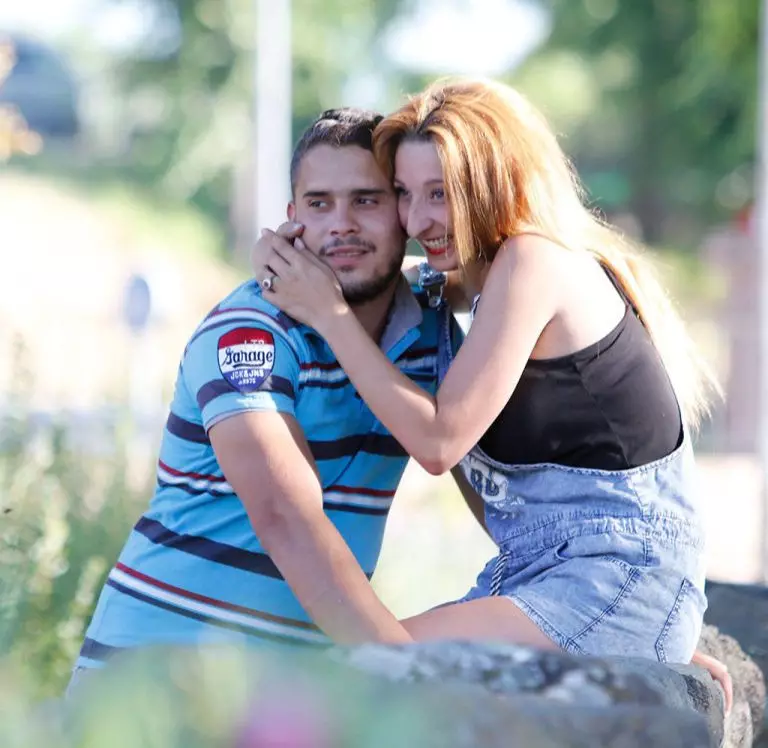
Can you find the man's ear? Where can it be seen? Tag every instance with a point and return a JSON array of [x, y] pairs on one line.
[[291, 211]]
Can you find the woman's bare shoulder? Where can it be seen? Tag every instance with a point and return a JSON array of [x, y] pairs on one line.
[[536, 254]]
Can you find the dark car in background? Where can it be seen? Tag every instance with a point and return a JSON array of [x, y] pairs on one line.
[[43, 88]]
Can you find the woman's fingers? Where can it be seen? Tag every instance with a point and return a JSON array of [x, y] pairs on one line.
[[283, 247], [294, 277], [719, 672], [278, 266], [266, 242], [290, 230]]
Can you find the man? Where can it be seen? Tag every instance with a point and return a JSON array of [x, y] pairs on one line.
[[274, 479]]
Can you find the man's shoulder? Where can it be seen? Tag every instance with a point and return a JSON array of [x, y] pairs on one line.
[[238, 316], [244, 355], [246, 299], [246, 306]]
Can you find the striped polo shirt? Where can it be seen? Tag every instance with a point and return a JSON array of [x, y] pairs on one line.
[[192, 569]]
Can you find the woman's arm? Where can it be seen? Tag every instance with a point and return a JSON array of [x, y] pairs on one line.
[[518, 302]]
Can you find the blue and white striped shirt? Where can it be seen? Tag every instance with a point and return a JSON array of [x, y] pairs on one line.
[[192, 569]]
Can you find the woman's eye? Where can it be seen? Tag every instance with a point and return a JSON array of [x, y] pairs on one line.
[[438, 194]]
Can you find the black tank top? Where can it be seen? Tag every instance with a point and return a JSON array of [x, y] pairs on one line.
[[609, 406]]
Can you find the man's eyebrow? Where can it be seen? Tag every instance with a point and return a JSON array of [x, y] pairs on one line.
[[370, 191], [356, 191]]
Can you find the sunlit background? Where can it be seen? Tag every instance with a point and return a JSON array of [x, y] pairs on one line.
[[143, 142]]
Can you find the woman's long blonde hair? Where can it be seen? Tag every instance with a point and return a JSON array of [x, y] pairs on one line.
[[505, 174]]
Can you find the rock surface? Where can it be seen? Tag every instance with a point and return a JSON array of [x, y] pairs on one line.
[[441, 694], [363, 698], [574, 700], [739, 613], [623, 684]]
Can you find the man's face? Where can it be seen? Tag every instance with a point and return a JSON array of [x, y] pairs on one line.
[[349, 212]]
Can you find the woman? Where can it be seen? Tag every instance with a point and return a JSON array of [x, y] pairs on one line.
[[569, 403]]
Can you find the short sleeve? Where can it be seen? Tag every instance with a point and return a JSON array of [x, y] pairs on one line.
[[250, 364]]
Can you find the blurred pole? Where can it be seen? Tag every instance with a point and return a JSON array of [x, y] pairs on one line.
[[273, 112], [761, 230]]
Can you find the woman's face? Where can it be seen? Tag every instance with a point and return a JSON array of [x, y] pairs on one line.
[[422, 204]]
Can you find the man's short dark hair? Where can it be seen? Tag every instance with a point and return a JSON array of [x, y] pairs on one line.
[[337, 128]]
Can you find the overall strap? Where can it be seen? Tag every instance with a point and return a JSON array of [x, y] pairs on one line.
[[444, 347]]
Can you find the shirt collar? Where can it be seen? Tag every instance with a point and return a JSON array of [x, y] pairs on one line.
[[404, 314]]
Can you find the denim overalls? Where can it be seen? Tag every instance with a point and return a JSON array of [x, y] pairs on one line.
[[604, 562]]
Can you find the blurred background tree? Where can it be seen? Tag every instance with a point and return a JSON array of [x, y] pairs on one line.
[[658, 102], [184, 95]]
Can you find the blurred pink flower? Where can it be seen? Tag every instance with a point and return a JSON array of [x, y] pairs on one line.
[[287, 721]]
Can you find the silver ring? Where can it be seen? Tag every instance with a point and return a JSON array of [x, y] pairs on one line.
[[268, 282]]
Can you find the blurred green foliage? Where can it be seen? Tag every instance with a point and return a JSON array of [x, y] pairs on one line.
[[656, 102], [658, 105], [189, 109], [226, 697], [64, 515]]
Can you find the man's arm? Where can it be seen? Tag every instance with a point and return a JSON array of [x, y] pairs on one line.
[[266, 459], [472, 499]]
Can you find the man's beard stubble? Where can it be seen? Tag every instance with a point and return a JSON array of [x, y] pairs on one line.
[[361, 292]]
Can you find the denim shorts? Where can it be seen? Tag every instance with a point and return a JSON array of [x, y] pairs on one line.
[[591, 597], [604, 562]]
